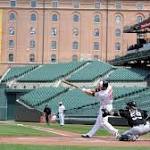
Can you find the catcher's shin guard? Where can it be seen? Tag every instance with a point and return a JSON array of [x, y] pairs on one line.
[[127, 137]]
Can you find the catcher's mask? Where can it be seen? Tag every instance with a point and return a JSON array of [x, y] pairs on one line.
[[131, 105]]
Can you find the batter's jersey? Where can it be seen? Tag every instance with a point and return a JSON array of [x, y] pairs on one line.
[[134, 117], [105, 97]]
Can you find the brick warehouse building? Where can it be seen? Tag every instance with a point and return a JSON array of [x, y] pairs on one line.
[[49, 31]]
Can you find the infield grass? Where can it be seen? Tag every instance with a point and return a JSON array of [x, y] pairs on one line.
[[33, 147]]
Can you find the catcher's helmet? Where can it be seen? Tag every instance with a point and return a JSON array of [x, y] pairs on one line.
[[131, 104]]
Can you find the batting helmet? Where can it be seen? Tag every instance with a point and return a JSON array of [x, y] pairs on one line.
[[105, 84]]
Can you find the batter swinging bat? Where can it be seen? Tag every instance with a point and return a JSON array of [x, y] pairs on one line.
[[87, 91]]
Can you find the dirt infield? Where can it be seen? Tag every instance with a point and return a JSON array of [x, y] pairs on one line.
[[74, 139]]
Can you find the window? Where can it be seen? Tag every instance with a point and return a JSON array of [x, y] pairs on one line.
[[118, 32], [76, 18], [96, 18], [76, 3], [32, 44], [96, 32], [140, 6], [54, 17], [75, 45], [53, 58], [55, 3], [11, 31], [74, 58], [53, 31], [53, 45], [32, 31], [96, 46], [12, 17], [33, 3], [13, 3], [11, 43], [96, 57], [33, 17], [97, 3], [118, 4], [139, 19], [118, 19], [32, 58], [75, 31], [10, 57], [117, 46]]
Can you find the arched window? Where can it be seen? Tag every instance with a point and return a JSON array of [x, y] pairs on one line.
[[76, 18], [139, 19], [12, 16], [33, 17], [53, 58], [75, 45], [118, 32], [97, 18], [118, 19], [54, 17], [74, 58], [10, 57], [117, 46], [32, 58]]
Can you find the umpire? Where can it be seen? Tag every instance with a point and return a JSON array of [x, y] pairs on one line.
[[47, 113]]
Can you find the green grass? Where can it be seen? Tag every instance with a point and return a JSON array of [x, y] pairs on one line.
[[33, 147], [76, 128], [14, 130]]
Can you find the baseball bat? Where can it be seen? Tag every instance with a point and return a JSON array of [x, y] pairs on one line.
[[73, 85]]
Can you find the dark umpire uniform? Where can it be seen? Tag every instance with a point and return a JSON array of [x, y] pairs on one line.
[[47, 113], [137, 121]]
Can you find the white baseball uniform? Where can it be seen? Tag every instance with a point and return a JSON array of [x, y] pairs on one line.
[[106, 99], [61, 110]]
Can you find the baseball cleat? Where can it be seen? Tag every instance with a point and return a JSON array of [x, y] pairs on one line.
[[85, 136], [117, 135]]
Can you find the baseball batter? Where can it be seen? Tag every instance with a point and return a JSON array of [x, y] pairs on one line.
[[103, 93], [136, 120]]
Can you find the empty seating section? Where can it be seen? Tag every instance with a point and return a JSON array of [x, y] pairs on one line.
[[142, 99], [90, 72], [119, 92], [38, 96], [17, 71], [87, 111], [80, 104], [71, 99], [128, 74], [51, 72]]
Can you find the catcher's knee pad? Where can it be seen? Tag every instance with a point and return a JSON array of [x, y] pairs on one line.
[[127, 137]]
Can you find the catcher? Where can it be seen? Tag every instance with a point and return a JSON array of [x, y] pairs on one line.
[[137, 120]]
